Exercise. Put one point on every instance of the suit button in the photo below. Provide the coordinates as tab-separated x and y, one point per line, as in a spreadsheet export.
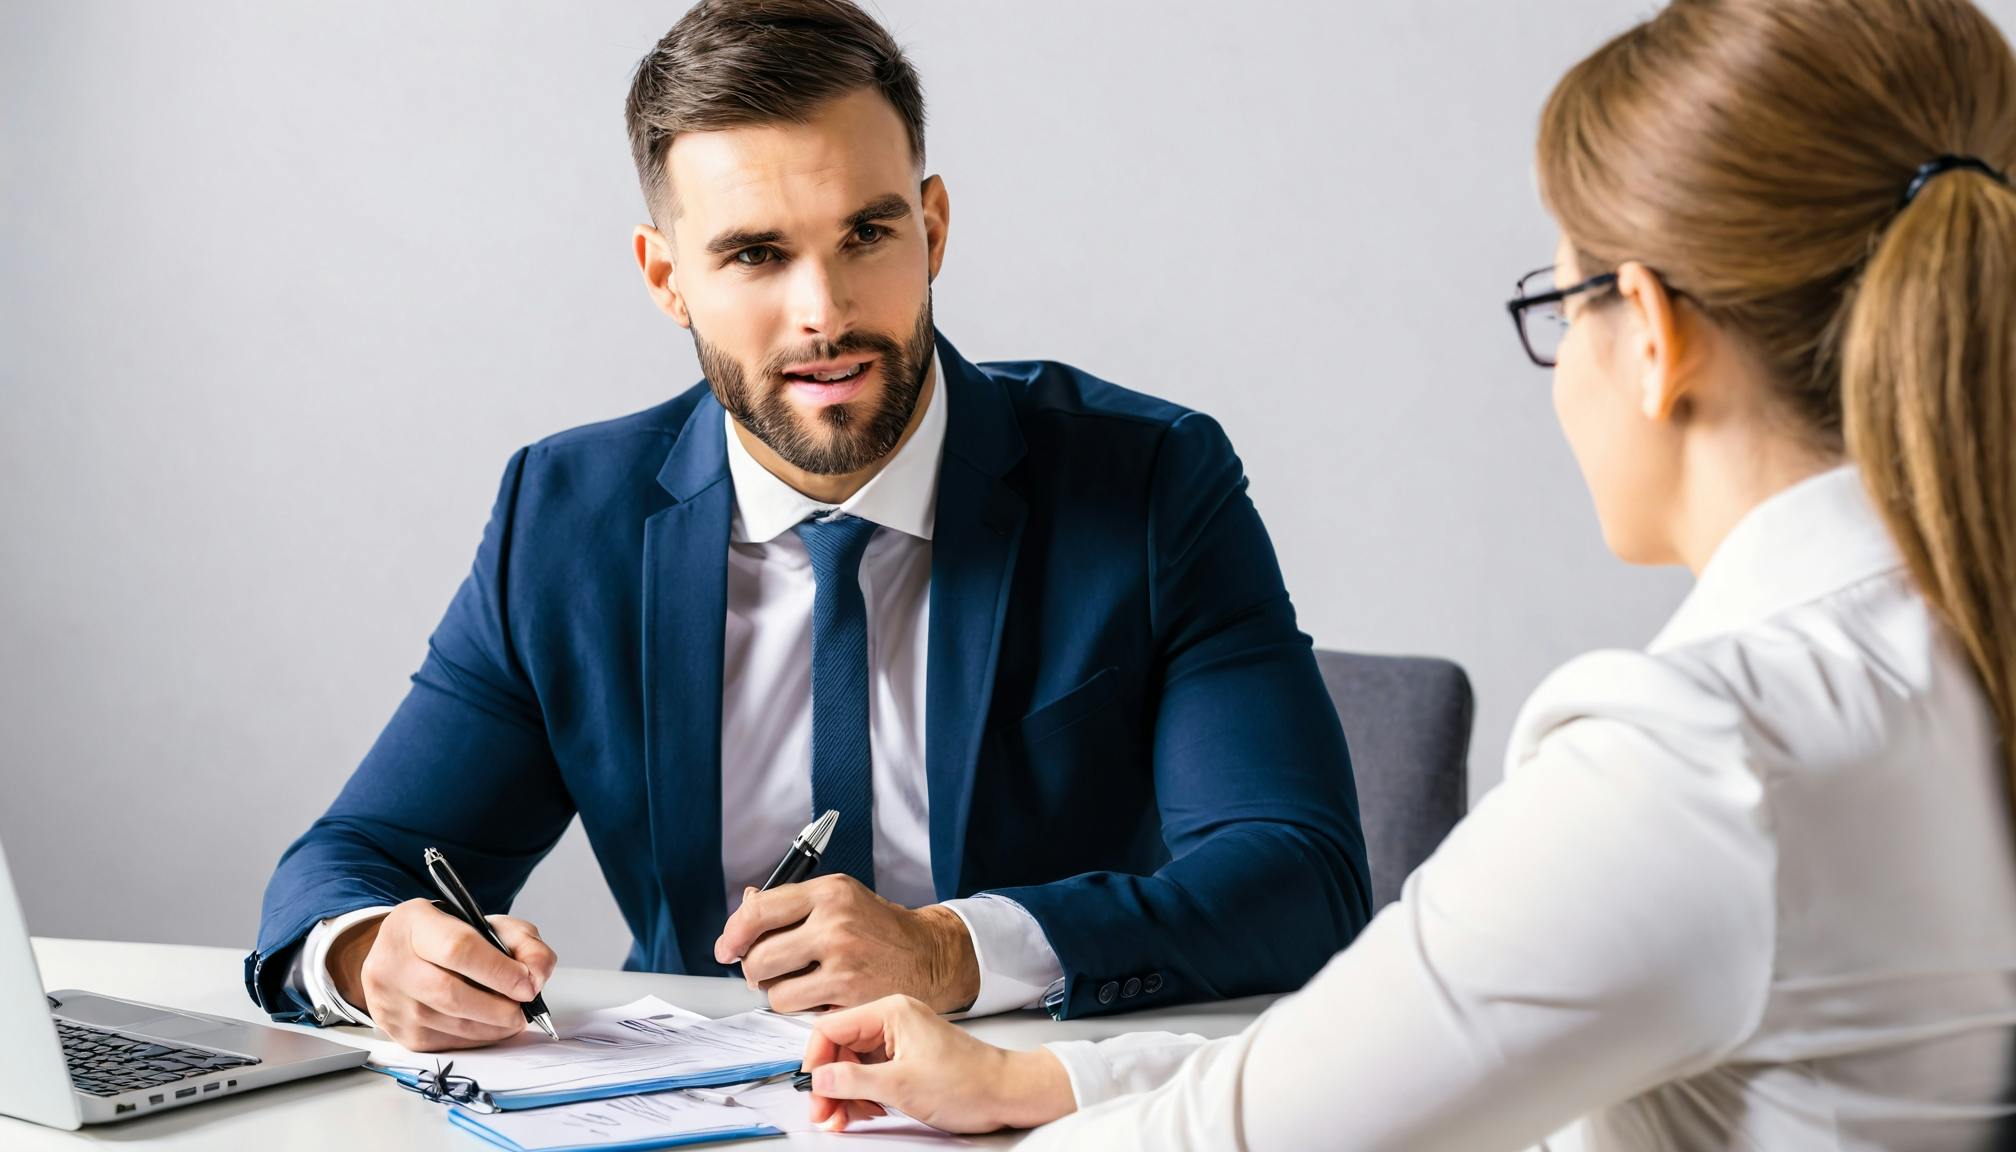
1107	991
1131	989
1153	984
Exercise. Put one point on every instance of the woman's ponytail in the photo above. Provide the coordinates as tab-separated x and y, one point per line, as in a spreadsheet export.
1928	397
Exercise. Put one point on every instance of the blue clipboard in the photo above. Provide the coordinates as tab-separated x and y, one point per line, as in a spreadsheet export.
474	1098
471	1122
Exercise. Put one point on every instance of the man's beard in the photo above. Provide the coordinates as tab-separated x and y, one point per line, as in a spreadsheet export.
853	438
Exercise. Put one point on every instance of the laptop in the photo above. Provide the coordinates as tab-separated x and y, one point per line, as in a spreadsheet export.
70	1058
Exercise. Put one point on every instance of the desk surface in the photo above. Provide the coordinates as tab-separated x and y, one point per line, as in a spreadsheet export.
349	1111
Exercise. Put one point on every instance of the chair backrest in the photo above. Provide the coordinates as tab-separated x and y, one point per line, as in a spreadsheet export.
1407	719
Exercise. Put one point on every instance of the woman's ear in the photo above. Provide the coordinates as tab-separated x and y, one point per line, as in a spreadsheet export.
1657	346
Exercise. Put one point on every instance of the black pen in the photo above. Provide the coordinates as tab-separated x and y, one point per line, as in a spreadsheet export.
463	904
803	858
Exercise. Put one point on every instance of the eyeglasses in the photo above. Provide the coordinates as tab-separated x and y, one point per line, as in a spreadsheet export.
1538	314
443	1087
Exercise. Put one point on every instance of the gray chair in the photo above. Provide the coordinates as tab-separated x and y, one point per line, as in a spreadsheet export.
1408	722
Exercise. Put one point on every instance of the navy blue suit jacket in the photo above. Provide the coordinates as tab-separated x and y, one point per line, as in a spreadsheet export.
1125	732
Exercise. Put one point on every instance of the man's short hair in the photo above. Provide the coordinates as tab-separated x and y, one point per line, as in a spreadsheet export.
733	63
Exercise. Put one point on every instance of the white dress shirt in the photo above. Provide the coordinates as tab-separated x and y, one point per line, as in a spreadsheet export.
766	709
1754	888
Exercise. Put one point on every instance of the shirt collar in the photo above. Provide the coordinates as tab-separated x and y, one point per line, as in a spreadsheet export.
1816	537
902	496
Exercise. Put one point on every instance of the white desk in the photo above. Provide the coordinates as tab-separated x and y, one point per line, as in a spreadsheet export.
359	1110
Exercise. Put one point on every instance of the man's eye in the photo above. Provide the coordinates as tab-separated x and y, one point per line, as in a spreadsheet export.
756	257
868	233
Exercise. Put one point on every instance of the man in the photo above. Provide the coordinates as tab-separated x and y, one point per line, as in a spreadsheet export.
1022	629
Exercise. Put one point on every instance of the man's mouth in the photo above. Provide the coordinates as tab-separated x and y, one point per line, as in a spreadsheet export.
827	373
829	382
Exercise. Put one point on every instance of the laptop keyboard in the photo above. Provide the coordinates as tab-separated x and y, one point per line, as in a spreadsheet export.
105	1063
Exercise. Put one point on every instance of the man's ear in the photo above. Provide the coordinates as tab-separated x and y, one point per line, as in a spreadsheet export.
1661	349
937	220
661	278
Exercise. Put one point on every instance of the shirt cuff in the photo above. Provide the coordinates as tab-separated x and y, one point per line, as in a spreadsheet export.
1132	1062
1017	964
311	969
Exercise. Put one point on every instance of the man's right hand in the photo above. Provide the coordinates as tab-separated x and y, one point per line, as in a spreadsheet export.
433	983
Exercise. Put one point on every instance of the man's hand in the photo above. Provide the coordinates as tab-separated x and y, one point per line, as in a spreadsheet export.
897	1053
831	942
432	983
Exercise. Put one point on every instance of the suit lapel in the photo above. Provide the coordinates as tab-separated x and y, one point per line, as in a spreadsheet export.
685	610
977	534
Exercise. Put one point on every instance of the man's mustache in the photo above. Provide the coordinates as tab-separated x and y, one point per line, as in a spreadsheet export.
873	342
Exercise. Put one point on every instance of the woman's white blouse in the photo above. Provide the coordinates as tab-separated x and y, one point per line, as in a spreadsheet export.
1753	888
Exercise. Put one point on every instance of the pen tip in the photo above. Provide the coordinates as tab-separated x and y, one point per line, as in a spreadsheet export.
820	832
545	1023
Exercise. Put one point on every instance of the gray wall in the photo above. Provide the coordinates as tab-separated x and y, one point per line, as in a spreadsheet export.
281	287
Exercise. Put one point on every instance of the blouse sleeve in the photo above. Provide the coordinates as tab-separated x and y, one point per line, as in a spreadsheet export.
1601	923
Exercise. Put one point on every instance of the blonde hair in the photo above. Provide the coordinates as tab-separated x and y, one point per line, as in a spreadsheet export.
1756	153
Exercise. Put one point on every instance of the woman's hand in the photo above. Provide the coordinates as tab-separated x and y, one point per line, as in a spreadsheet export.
897	1053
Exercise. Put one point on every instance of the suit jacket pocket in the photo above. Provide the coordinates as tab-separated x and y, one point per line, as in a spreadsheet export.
1077	704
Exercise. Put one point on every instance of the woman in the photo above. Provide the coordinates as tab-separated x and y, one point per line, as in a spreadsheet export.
1755	887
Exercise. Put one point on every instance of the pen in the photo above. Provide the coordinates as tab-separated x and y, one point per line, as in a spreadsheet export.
463	904
732	1093
803	857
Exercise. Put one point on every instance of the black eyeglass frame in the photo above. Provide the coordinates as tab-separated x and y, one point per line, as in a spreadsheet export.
1518	305
443	1087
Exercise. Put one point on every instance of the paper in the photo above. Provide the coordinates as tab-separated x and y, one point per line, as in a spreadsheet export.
788	1110
640	1046
635	1121
763	1108
772	1102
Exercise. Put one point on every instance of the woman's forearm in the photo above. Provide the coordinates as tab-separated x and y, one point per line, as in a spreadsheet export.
1035	1089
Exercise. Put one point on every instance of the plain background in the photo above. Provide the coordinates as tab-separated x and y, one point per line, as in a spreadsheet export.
283	286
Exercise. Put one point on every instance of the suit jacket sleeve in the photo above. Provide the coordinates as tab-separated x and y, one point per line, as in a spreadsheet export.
464	765
1267	877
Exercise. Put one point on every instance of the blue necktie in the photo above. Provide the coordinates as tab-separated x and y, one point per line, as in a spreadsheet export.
841	771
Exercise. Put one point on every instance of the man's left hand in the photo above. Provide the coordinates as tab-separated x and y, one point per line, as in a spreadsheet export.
832	942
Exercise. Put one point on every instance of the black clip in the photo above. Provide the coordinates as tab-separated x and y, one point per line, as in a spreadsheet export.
443	1087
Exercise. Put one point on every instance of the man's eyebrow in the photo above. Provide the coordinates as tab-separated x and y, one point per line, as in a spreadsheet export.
738	239
890	207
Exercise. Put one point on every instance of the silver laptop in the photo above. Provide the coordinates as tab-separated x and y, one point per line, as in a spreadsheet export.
70	1058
